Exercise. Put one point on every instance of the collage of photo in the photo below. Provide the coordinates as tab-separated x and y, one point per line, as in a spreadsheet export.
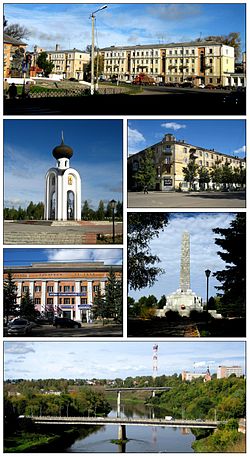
124	228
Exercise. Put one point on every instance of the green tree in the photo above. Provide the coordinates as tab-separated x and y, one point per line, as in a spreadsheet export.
99	309
114	297
204	177
44	64
233	277
190	172
226	175
100	213
162	302
10	296
146	175
27	307
216	174
142	228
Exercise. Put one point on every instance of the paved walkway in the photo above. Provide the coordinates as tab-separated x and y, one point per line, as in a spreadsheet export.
32	233
187	200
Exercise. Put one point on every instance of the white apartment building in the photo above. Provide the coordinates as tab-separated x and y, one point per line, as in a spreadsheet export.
198	62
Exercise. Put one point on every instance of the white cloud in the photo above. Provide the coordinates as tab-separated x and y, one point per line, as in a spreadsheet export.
108	256
173	125
136	140
14	348
240	150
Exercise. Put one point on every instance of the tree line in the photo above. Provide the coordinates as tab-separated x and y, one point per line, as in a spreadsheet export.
35	211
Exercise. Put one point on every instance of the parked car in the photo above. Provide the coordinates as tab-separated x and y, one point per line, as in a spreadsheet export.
65	322
20	326
202	86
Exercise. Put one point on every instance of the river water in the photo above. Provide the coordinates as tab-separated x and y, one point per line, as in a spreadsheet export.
141	439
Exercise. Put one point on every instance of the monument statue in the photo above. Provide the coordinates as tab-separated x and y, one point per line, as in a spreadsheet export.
184	299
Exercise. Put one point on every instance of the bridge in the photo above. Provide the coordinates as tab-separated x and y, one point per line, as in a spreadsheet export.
118	390
122	422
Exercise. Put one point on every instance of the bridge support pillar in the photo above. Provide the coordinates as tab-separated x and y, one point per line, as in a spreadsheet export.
122	432
118	403
153	393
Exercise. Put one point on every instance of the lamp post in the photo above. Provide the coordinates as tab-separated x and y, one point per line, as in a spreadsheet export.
92	87
207	273
113	206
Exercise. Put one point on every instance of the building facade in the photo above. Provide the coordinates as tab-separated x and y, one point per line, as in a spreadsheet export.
225	372
63	289
170	156
199	62
190	376
10	46
69	63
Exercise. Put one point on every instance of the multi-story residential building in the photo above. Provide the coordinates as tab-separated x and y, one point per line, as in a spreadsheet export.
63	289
225	372
198	62
170	156
10	45
70	63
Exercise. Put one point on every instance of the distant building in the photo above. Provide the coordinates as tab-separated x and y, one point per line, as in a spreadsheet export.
198	62
225	372
10	45
171	155
189	376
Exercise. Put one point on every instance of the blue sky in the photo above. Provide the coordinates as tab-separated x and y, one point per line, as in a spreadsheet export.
203	253
115	359
28	145
27	256
227	136
125	23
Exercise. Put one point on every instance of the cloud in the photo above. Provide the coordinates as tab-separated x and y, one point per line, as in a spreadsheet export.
173	126
240	150
175	12
136	140
14	348
108	256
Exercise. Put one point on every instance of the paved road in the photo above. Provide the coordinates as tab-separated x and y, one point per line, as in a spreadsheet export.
87	330
187	200
15	233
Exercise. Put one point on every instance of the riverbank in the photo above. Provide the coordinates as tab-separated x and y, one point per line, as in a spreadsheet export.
22	441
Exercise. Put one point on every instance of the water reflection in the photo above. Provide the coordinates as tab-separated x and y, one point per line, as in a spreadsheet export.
140	438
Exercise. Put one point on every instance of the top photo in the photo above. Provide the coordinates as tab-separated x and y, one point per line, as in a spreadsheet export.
124	58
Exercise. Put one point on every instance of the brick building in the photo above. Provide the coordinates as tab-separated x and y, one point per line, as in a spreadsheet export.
63	289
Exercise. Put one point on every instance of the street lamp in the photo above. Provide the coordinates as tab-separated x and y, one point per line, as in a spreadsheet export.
113	206
207	273
92	86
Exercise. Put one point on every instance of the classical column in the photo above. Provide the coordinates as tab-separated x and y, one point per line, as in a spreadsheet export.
19	292
77	301
185	263
43	297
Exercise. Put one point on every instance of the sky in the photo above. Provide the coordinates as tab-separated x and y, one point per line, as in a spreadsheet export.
203	253
97	156
124	23
226	136
27	256
115	359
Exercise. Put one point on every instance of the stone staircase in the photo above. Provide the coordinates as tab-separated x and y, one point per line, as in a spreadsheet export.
49	238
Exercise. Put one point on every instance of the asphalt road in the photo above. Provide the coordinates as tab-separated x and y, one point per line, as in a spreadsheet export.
163	101
87	330
187	200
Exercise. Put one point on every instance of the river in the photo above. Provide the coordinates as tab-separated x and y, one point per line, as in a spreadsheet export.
140	439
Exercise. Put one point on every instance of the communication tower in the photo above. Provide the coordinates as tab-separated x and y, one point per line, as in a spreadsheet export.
155	360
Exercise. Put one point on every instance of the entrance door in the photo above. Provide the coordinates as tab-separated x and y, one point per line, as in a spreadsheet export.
70	205
67	314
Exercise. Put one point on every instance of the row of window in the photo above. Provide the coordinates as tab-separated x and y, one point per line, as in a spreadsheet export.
61	301
60	289
156	53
